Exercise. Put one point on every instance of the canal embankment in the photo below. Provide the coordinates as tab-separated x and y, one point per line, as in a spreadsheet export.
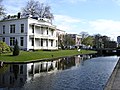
114	80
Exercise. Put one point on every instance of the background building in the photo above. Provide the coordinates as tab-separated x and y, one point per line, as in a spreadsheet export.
77	39
118	39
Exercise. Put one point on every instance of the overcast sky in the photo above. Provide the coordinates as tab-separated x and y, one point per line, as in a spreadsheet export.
75	16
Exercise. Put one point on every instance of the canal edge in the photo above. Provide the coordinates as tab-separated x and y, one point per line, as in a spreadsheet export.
111	79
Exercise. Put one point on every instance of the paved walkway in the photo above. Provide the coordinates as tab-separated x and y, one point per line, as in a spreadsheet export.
114	81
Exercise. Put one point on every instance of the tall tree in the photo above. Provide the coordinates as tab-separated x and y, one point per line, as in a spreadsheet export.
37	9
2	9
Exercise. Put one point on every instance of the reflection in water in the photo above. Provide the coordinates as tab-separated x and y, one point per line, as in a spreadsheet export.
17	75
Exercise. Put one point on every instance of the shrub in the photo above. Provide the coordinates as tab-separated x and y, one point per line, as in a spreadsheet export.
4	48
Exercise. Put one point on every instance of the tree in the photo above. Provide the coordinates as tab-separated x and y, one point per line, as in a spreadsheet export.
98	41
105	40
84	35
88	41
68	41
37	9
2	9
16	49
4	47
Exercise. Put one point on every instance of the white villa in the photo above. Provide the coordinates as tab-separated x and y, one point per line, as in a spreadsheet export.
31	33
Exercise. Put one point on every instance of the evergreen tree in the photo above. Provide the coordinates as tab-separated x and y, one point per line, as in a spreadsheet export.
16	49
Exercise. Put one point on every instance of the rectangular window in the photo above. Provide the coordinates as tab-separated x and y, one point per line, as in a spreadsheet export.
12	28
32	41
41	42
56	43
3	39
47	32
12	41
46	42
22	28
41	30
51	43
52	33
21	41
3	29
32	28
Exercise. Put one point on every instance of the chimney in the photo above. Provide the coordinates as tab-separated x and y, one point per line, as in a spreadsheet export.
19	15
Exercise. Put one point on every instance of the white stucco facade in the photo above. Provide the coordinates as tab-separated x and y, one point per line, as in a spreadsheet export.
30	33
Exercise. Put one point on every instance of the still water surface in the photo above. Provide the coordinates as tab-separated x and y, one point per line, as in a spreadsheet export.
71	73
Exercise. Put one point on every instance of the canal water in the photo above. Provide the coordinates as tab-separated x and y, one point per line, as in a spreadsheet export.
82	72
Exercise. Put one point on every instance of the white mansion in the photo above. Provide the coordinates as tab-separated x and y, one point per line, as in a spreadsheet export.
31	33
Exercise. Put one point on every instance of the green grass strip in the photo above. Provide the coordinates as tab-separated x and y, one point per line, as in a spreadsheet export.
39	55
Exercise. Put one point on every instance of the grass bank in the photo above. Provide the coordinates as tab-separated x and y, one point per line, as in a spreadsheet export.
39	55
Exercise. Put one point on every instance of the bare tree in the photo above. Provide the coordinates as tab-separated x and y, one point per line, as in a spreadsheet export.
2	9
37	9
47	13
30	8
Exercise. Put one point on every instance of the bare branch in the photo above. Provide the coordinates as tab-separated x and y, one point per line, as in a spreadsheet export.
2	9
35	8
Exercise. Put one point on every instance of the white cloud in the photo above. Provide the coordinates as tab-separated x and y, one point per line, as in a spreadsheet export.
105	27
65	18
110	28
67	23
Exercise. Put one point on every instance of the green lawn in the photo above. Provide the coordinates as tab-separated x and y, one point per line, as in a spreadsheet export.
39	55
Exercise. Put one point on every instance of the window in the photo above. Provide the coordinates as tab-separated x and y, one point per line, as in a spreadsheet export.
22	28
56	43
41	42
21	41
3	39
32	28
41	30
12	41
47	32
52	33
3	29
51	42
46	42
12	28
32	41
